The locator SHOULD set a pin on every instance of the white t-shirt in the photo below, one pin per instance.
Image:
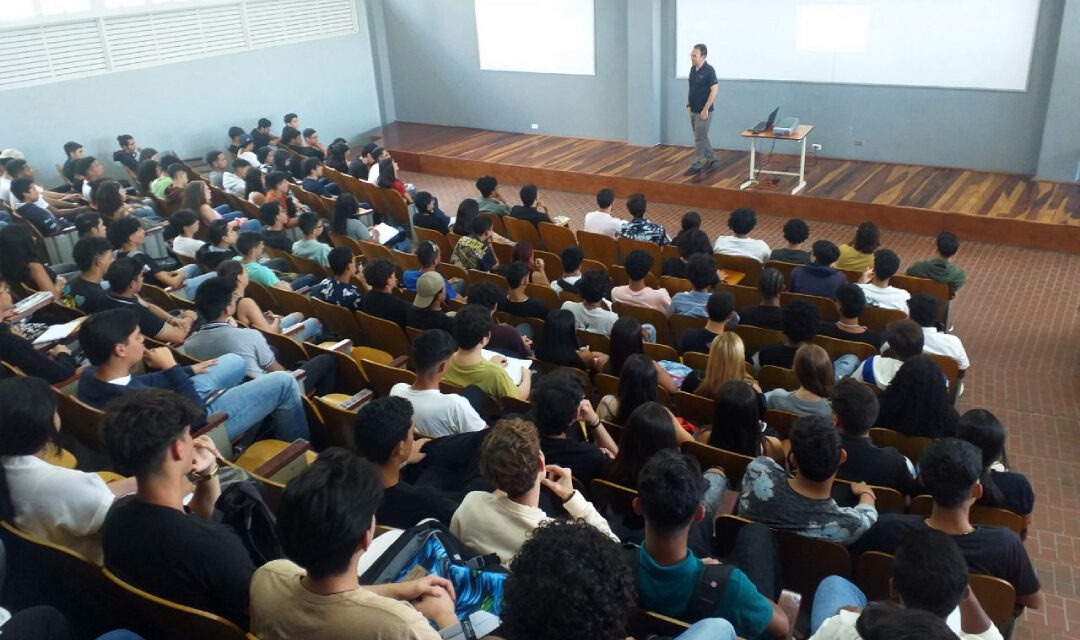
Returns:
(373, 174)
(186, 246)
(889, 297)
(251, 158)
(749, 247)
(944, 344)
(598, 320)
(233, 184)
(603, 222)
(842, 627)
(60, 505)
(567, 279)
(439, 414)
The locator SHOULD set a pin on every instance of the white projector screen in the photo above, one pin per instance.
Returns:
(971, 44)
(536, 36)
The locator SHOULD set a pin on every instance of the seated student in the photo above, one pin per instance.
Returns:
(689, 242)
(916, 402)
(769, 314)
(850, 302)
(741, 222)
(381, 276)
(818, 278)
(114, 346)
(55, 365)
(311, 225)
(93, 256)
(427, 216)
(314, 182)
(74, 152)
(814, 373)
(858, 255)
(875, 284)
(592, 314)
(27, 194)
(437, 413)
(651, 428)
(235, 181)
(702, 273)
(924, 310)
(76, 503)
(327, 522)
(125, 278)
(20, 264)
(690, 220)
(530, 209)
(929, 573)
(942, 267)
(217, 163)
(795, 232)
(126, 154)
(1001, 487)
(180, 233)
(472, 331)
(505, 339)
(385, 435)
(127, 237)
(346, 219)
(559, 344)
(640, 227)
(950, 470)
(274, 220)
(220, 244)
(474, 250)
(500, 522)
(638, 379)
(800, 326)
(559, 404)
(727, 361)
(638, 265)
(803, 503)
(571, 258)
(905, 338)
(250, 246)
(148, 435)
(668, 574)
(721, 310)
(490, 200)
(339, 288)
(601, 221)
(525, 253)
(218, 335)
(167, 179)
(426, 311)
(90, 224)
(248, 311)
(736, 423)
(429, 256)
(854, 411)
(517, 302)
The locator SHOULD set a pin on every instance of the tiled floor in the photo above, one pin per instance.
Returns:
(1019, 318)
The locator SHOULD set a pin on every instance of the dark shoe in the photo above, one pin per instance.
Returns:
(710, 164)
(692, 171)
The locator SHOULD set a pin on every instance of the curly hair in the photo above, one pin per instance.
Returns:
(568, 562)
(916, 402)
(509, 456)
(139, 427)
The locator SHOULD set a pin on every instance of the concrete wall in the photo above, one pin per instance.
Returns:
(1060, 155)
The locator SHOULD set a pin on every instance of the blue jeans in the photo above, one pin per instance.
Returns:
(306, 280)
(275, 395)
(833, 593)
(709, 629)
(251, 225)
(193, 278)
(148, 213)
(845, 365)
(312, 326)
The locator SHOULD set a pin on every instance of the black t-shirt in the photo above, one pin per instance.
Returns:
(879, 466)
(149, 324)
(777, 355)
(259, 138)
(995, 551)
(424, 320)
(871, 337)
(69, 170)
(211, 256)
(530, 308)
(87, 295)
(431, 221)
(697, 340)
(150, 266)
(178, 556)
(403, 505)
(277, 240)
(791, 256)
(529, 213)
(386, 306)
(20, 352)
(701, 81)
(585, 460)
(1016, 491)
(674, 267)
(762, 316)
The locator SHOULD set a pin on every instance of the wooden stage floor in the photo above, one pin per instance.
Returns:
(992, 207)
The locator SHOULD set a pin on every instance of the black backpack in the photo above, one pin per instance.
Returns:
(242, 507)
(707, 592)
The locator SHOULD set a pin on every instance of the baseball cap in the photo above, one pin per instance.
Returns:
(427, 287)
(12, 153)
(245, 140)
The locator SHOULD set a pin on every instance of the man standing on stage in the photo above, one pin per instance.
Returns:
(699, 103)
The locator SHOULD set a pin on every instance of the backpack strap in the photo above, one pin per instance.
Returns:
(707, 592)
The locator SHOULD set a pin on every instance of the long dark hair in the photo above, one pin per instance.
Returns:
(344, 209)
(147, 172)
(637, 385)
(736, 419)
(466, 213)
(560, 343)
(916, 402)
(177, 221)
(27, 407)
(17, 251)
(335, 156)
(982, 429)
(626, 340)
(194, 196)
(648, 430)
(109, 198)
(253, 182)
(387, 174)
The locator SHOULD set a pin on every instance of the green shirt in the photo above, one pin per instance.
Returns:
(159, 185)
(258, 273)
(941, 270)
(312, 250)
(491, 205)
(490, 377)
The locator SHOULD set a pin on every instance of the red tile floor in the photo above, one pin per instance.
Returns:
(1019, 319)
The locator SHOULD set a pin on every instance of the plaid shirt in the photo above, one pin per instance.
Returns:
(642, 229)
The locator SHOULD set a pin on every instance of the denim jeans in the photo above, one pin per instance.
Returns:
(833, 593)
(306, 280)
(275, 395)
(148, 214)
(845, 365)
(251, 225)
(709, 629)
(312, 326)
(193, 278)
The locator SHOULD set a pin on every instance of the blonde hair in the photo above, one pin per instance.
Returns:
(814, 370)
(727, 361)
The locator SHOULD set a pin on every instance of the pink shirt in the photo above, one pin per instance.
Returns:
(658, 299)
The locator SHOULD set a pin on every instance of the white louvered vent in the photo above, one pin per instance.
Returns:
(54, 52)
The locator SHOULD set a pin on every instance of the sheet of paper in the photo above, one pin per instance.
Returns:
(513, 365)
(386, 232)
(58, 331)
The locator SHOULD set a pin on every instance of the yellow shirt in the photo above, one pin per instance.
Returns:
(852, 260)
(490, 377)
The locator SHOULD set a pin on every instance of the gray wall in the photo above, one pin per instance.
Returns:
(189, 106)
(435, 78)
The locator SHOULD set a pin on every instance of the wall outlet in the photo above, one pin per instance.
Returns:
(859, 143)
(815, 147)
(534, 126)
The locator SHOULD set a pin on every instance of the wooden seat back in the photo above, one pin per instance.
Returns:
(383, 377)
(911, 447)
(441, 241)
(754, 338)
(556, 237)
(384, 334)
(743, 264)
(626, 245)
(617, 498)
(733, 464)
(599, 247)
(770, 377)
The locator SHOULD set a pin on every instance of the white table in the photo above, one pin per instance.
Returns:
(800, 135)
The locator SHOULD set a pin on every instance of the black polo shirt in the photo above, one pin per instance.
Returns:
(701, 80)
